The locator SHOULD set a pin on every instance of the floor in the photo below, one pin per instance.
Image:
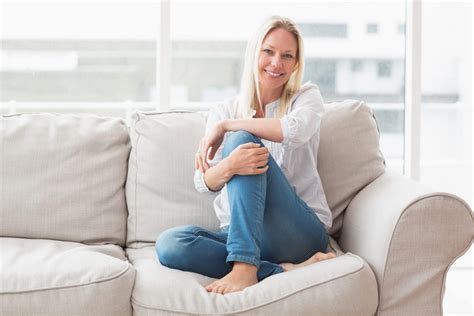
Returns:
(458, 298)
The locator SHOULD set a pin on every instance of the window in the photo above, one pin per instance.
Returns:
(205, 70)
(323, 30)
(372, 28)
(323, 72)
(53, 70)
(65, 58)
(357, 65)
(446, 108)
(112, 68)
(401, 28)
(384, 69)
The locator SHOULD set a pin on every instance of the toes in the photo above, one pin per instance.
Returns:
(217, 287)
(228, 290)
(329, 255)
(211, 286)
(221, 289)
(318, 256)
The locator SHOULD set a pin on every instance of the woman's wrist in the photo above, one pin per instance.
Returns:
(217, 176)
(228, 168)
(224, 125)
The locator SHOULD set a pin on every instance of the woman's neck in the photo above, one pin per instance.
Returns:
(267, 96)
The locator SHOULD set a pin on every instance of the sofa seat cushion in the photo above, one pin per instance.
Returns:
(319, 287)
(39, 276)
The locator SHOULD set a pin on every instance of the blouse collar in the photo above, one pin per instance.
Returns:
(270, 106)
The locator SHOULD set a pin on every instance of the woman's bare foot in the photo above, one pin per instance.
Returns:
(319, 256)
(242, 275)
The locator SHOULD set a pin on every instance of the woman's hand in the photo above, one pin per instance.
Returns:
(208, 146)
(248, 159)
(199, 161)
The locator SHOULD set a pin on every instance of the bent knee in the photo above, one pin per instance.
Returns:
(169, 245)
(242, 137)
(238, 138)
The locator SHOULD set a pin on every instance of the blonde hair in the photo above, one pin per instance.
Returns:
(249, 87)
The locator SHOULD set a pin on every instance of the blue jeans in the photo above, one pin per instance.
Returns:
(269, 224)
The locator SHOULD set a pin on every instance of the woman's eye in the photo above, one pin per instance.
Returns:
(267, 51)
(288, 56)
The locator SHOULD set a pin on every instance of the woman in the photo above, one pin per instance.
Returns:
(272, 208)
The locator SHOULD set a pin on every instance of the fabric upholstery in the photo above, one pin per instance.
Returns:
(349, 155)
(63, 177)
(410, 235)
(160, 189)
(49, 277)
(162, 291)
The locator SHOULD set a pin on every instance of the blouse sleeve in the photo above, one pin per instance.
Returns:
(304, 120)
(214, 116)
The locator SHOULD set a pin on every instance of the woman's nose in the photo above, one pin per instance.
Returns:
(276, 61)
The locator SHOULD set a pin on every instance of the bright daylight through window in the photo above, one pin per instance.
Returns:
(66, 59)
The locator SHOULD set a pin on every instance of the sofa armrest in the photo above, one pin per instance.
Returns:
(410, 235)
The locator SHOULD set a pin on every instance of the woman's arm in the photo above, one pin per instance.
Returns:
(216, 114)
(266, 128)
(269, 129)
(246, 159)
(217, 176)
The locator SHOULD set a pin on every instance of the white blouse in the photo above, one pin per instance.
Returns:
(296, 155)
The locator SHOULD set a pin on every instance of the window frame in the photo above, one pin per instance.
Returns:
(412, 113)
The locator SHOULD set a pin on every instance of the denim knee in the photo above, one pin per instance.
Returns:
(169, 247)
(237, 138)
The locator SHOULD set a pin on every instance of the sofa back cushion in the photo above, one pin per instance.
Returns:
(63, 177)
(160, 187)
(349, 155)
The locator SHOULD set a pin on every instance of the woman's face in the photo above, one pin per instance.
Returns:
(277, 59)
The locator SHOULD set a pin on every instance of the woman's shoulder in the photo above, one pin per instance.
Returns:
(307, 88)
(307, 91)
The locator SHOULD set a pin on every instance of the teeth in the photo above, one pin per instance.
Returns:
(273, 74)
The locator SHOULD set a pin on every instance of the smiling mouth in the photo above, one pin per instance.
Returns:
(273, 74)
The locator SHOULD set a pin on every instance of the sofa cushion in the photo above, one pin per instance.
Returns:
(63, 278)
(160, 188)
(349, 155)
(319, 287)
(63, 177)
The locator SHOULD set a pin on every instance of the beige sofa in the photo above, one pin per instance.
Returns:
(83, 199)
